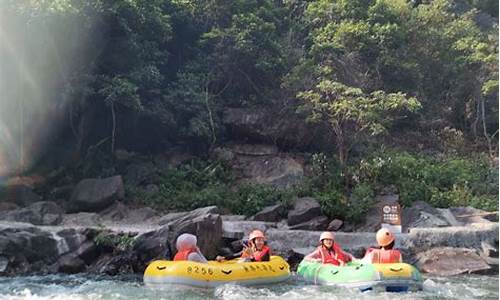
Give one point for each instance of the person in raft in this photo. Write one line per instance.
(329, 252)
(255, 250)
(385, 252)
(187, 249)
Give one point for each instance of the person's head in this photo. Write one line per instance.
(385, 238)
(185, 241)
(257, 238)
(326, 239)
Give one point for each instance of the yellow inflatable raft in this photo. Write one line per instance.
(215, 273)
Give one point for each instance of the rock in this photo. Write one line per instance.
(317, 223)
(470, 213)
(116, 212)
(92, 195)
(304, 209)
(140, 215)
(421, 214)
(70, 264)
(233, 218)
(82, 219)
(202, 222)
(449, 261)
(6, 206)
(39, 213)
(269, 125)
(170, 217)
(141, 173)
(448, 216)
(21, 195)
(70, 239)
(27, 244)
(236, 230)
(153, 245)
(4, 263)
(272, 213)
(421, 239)
(488, 250)
(87, 251)
(279, 171)
(115, 264)
(335, 225)
(62, 192)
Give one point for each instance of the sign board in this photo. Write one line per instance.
(391, 217)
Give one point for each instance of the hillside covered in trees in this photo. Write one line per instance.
(369, 94)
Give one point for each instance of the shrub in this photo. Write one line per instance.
(443, 182)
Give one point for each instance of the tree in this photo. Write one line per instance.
(350, 113)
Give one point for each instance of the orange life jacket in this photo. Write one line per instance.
(258, 255)
(335, 256)
(382, 256)
(184, 254)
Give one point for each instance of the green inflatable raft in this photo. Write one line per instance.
(397, 277)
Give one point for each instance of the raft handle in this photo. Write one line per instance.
(396, 270)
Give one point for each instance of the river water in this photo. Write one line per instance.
(76, 287)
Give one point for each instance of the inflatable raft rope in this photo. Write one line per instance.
(215, 273)
(397, 277)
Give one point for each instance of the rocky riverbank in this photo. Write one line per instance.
(121, 240)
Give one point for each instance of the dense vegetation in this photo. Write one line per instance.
(157, 73)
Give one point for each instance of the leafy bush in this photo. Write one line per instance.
(200, 183)
(443, 182)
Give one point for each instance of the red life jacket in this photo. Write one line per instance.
(184, 254)
(259, 255)
(335, 256)
(382, 256)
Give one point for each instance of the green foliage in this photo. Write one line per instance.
(118, 242)
(200, 183)
(442, 182)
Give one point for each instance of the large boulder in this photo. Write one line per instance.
(449, 261)
(277, 171)
(153, 245)
(21, 195)
(317, 223)
(421, 214)
(469, 215)
(272, 213)
(92, 195)
(39, 213)
(335, 225)
(26, 248)
(204, 224)
(236, 230)
(304, 209)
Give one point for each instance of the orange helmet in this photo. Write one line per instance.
(326, 235)
(384, 237)
(256, 234)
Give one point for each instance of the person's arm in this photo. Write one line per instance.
(314, 256)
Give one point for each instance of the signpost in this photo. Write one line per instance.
(391, 217)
